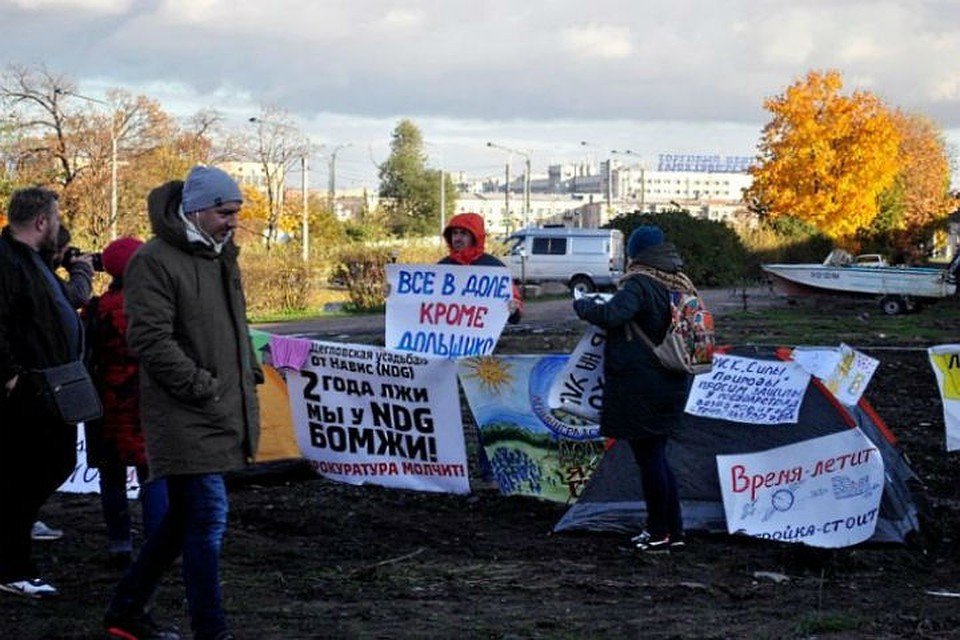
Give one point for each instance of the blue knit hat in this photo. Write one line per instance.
(644, 237)
(207, 187)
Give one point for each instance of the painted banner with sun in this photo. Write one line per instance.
(533, 450)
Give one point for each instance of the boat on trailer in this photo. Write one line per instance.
(899, 288)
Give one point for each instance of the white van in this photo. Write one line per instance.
(583, 259)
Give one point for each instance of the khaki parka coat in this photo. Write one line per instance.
(187, 323)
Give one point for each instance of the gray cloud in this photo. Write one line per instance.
(602, 63)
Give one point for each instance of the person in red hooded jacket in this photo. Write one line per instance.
(466, 238)
(116, 440)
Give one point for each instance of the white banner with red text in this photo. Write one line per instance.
(823, 492)
(446, 311)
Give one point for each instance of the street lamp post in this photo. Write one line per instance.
(113, 158)
(506, 193)
(609, 183)
(332, 181)
(526, 190)
(443, 199)
(113, 184)
(305, 217)
(526, 180)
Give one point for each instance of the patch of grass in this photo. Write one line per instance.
(292, 315)
(286, 316)
(320, 298)
(814, 623)
(833, 323)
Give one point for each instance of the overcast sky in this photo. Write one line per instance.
(541, 76)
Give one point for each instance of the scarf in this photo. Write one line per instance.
(674, 281)
(466, 256)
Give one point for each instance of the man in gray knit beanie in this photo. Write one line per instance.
(209, 206)
(186, 321)
(207, 187)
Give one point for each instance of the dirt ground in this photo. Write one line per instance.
(308, 558)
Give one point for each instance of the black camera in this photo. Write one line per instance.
(72, 253)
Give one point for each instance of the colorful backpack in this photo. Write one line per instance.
(690, 340)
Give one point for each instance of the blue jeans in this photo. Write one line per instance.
(659, 487)
(194, 526)
(116, 507)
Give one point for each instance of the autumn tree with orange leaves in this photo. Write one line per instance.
(838, 161)
(58, 137)
(919, 197)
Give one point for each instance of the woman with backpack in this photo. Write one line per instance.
(643, 400)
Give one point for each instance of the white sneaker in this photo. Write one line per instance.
(42, 532)
(36, 588)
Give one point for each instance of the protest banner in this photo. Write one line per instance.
(945, 360)
(578, 388)
(747, 390)
(447, 311)
(844, 371)
(365, 414)
(533, 449)
(827, 495)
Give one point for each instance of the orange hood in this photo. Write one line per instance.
(472, 222)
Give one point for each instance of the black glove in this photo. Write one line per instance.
(582, 305)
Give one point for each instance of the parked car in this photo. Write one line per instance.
(585, 260)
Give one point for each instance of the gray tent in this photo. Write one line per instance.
(610, 501)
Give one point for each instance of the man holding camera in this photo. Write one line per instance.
(39, 327)
(79, 267)
(78, 288)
